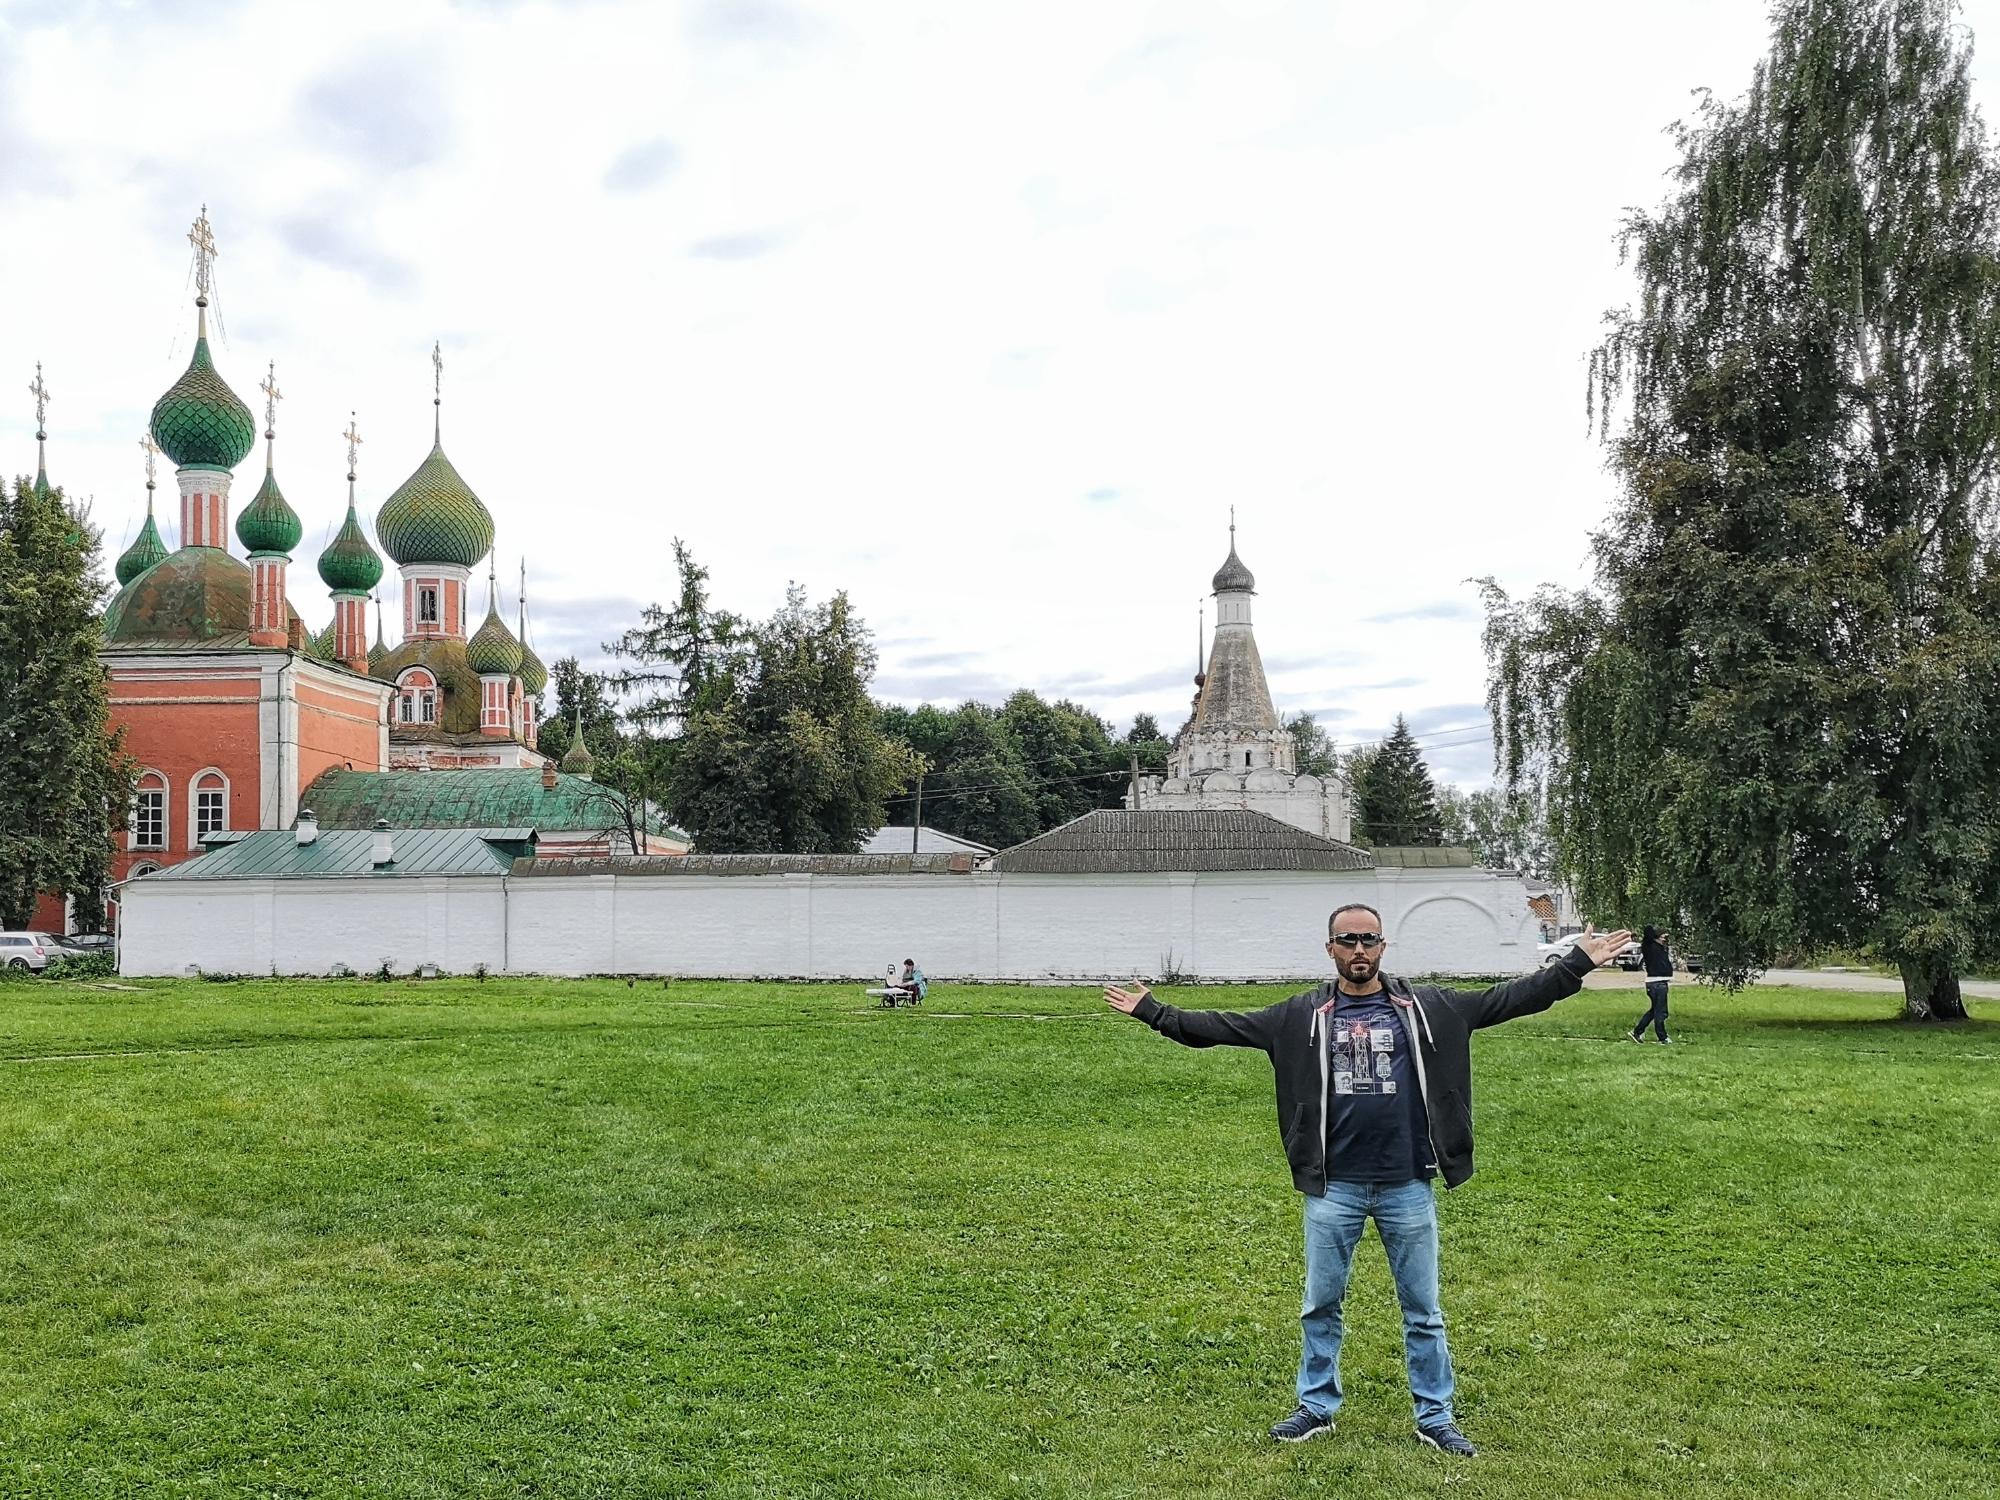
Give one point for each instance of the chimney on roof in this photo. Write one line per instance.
(548, 775)
(307, 828)
(385, 844)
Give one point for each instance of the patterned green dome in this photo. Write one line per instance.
(534, 676)
(146, 549)
(196, 597)
(268, 524)
(200, 423)
(321, 645)
(434, 517)
(349, 565)
(493, 649)
(577, 760)
(377, 652)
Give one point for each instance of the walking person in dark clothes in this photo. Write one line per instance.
(1659, 966)
(1374, 1099)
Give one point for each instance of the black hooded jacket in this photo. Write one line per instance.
(1292, 1034)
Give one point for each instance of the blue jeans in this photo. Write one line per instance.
(1405, 1215)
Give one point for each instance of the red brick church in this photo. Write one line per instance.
(230, 704)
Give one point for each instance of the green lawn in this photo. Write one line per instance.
(575, 1239)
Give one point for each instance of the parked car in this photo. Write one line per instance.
(24, 950)
(1694, 963)
(59, 949)
(1626, 957)
(91, 942)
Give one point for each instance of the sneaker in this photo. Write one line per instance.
(1633, 1036)
(1446, 1438)
(1301, 1425)
(1666, 1041)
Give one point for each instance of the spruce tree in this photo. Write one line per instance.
(1393, 798)
(64, 783)
(1771, 724)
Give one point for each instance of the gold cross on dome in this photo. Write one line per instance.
(437, 372)
(203, 240)
(353, 436)
(152, 452)
(40, 391)
(272, 396)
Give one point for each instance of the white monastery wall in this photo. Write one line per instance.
(1236, 925)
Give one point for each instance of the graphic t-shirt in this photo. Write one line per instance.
(1375, 1125)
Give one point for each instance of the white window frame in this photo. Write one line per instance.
(433, 594)
(140, 790)
(195, 790)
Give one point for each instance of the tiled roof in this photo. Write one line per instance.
(146, 549)
(268, 523)
(1123, 843)
(434, 517)
(276, 854)
(495, 798)
(1414, 857)
(200, 423)
(349, 564)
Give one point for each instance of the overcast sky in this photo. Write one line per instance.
(984, 313)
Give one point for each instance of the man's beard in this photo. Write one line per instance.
(1359, 969)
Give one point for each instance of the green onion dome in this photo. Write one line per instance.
(200, 423)
(268, 524)
(349, 565)
(493, 651)
(434, 517)
(378, 651)
(146, 549)
(534, 676)
(577, 760)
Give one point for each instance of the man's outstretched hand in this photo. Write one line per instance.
(1126, 1000)
(1601, 946)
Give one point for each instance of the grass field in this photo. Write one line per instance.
(575, 1239)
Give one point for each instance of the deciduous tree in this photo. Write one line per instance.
(1772, 721)
(65, 783)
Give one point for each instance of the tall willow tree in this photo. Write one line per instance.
(1776, 722)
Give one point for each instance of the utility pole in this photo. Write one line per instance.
(917, 821)
(1135, 781)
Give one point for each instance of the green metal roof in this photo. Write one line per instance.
(464, 799)
(276, 854)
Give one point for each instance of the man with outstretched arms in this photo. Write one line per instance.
(1374, 1100)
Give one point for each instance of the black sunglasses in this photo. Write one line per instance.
(1357, 939)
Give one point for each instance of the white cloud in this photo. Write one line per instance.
(985, 314)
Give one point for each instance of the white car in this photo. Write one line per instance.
(1552, 953)
(26, 950)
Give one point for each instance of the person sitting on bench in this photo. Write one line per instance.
(913, 981)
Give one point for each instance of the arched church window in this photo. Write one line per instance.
(149, 811)
(427, 604)
(417, 702)
(208, 812)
